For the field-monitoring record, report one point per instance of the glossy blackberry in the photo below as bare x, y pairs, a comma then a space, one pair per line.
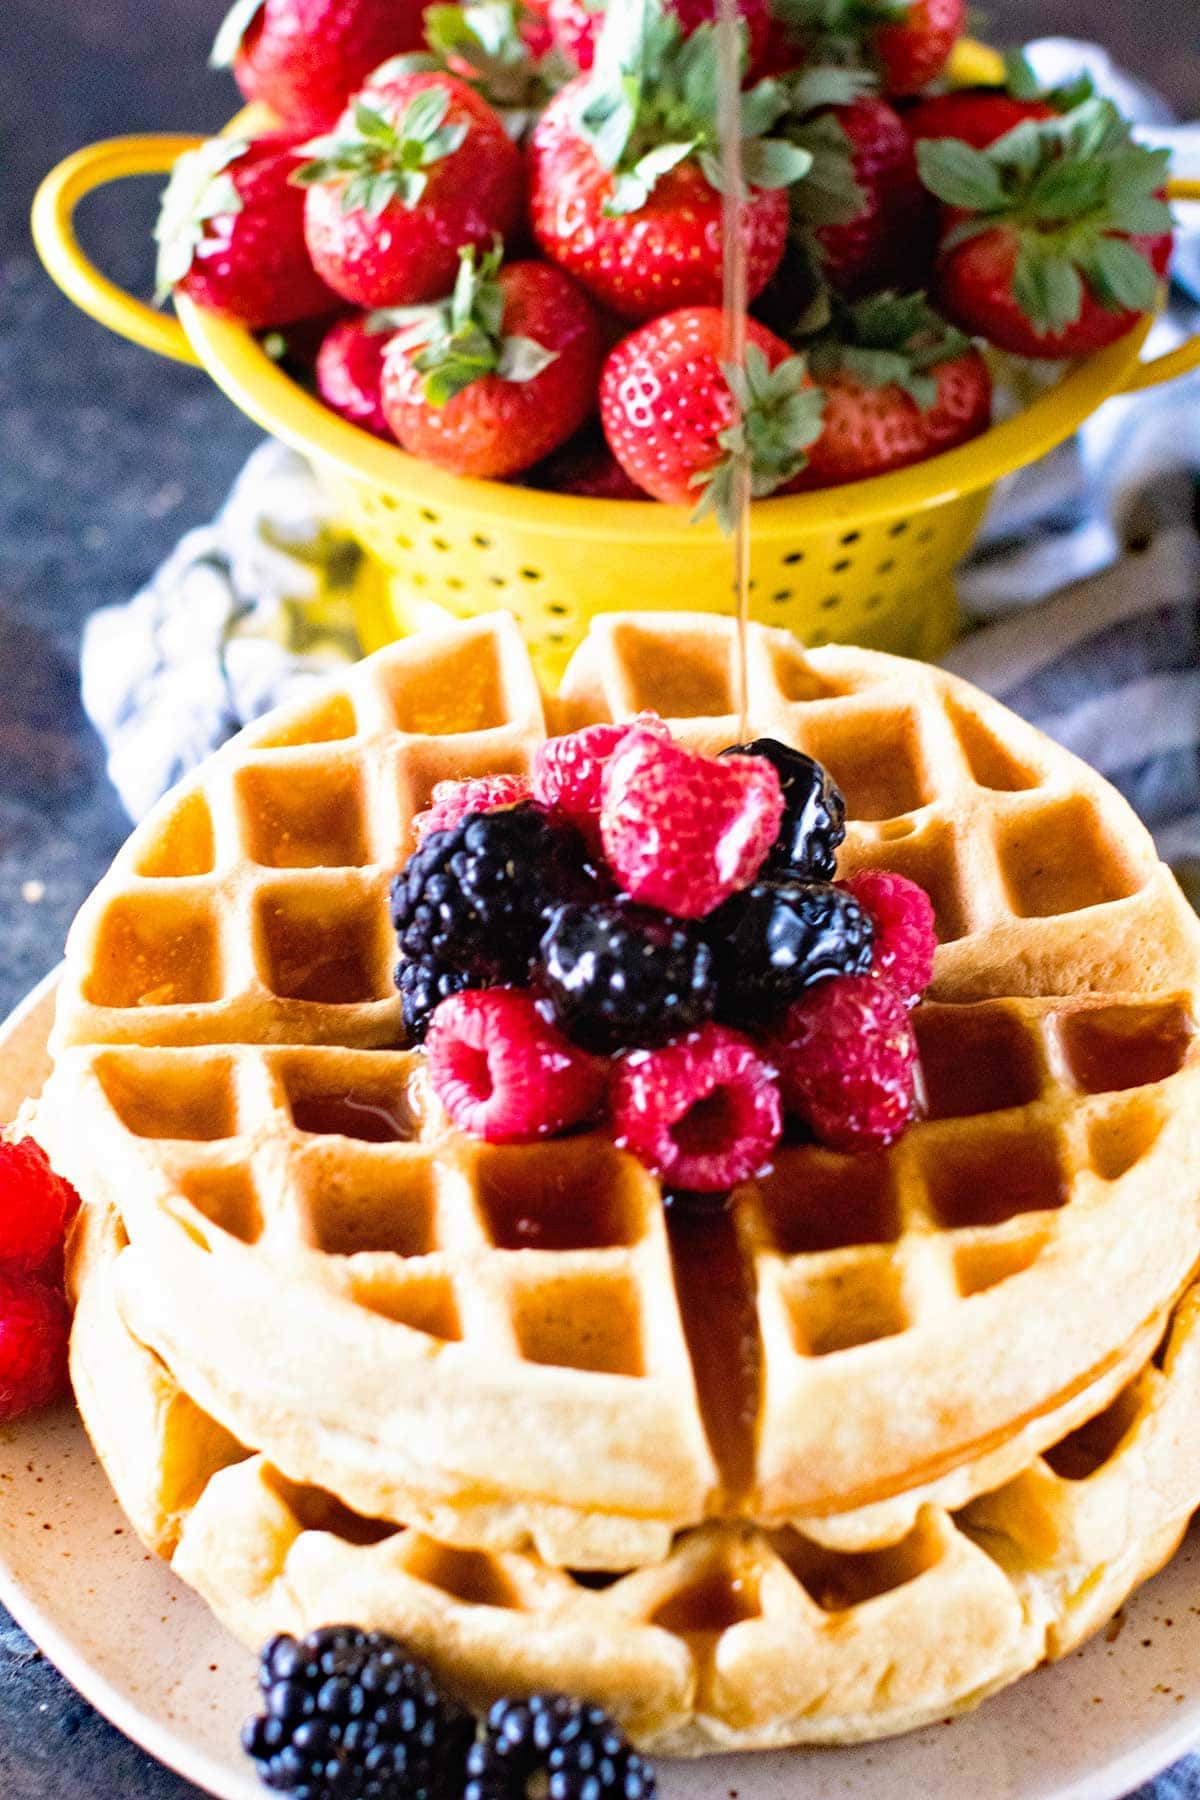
617, 976
475, 898
349, 1716
779, 937
814, 815
423, 986
558, 1747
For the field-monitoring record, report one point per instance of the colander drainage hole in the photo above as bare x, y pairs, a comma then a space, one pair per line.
781, 596
794, 556
830, 601
842, 564
429, 517
850, 537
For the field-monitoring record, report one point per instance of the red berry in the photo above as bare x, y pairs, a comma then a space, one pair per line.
588, 467
231, 233
702, 1112
446, 174
905, 934
976, 115
890, 238
349, 374
666, 253
504, 1073
847, 1062
915, 49
568, 772
453, 800
304, 58
683, 831
472, 412
36, 1205
33, 1344
576, 26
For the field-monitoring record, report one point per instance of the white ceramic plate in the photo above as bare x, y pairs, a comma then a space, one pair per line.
147, 1653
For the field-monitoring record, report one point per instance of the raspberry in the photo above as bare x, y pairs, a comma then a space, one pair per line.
33, 1344
905, 936
453, 800
504, 1073
777, 938
847, 1062
617, 976
563, 1748
476, 898
36, 1205
814, 813
349, 1712
568, 772
684, 831
704, 1112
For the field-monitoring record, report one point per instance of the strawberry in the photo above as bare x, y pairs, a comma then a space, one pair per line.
230, 233
349, 373
304, 58
882, 241
576, 26
976, 115
502, 48
911, 50
905, 42
676, 417
1055, 235
499, 375
624, 169
586, 466
417, 168
903, 386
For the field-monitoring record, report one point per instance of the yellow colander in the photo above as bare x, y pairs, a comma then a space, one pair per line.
868, 563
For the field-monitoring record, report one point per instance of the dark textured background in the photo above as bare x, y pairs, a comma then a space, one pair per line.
106, 456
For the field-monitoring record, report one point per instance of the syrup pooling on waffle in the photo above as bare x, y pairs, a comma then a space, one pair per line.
877, 1314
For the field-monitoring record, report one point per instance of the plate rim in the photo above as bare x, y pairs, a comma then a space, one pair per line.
1113, 1779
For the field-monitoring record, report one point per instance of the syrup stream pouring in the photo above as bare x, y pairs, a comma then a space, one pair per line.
734, 302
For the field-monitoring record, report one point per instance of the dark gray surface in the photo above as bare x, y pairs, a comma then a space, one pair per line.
106, 456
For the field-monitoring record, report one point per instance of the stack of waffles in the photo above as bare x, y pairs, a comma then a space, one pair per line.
844, 1457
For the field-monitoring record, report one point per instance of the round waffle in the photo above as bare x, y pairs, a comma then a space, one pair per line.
519, 1346
741, 1638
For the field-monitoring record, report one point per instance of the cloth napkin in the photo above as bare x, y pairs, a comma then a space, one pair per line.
1084, 588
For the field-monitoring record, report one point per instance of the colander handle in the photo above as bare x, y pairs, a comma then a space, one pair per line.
53, 222
1186, 355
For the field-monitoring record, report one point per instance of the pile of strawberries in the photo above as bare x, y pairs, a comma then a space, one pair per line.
493, 232
651, 940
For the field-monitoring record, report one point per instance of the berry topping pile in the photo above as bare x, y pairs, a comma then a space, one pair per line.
351, 1715
36, 1207
650, 940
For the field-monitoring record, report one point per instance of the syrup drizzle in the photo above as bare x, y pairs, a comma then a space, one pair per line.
734, 302
714, 1288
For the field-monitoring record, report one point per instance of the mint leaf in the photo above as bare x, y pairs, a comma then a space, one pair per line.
828, 85
1047, 287
959, 174
231, 31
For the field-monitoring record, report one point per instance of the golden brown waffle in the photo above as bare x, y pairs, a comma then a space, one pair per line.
510, 1346
740, 1638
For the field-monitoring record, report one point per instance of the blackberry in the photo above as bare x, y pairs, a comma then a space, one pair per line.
423, 986
562, 1748
349, 1716
814, 813
475, 898
777, 938
618, 976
